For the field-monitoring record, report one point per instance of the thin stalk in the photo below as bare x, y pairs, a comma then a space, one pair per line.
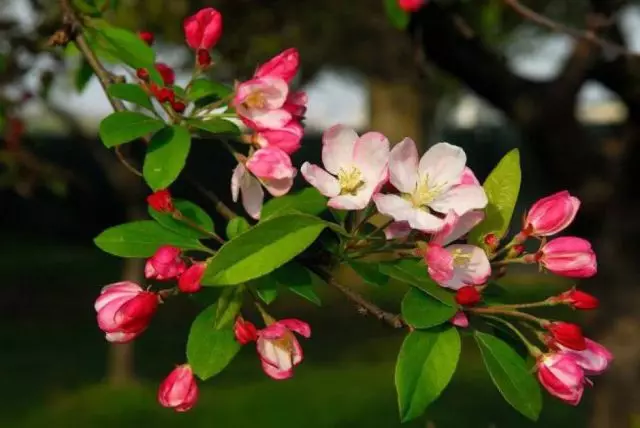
533, 350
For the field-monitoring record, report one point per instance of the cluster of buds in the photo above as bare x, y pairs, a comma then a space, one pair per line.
273, 112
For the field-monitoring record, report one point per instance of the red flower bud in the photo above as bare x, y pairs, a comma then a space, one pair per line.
167, 73
178, 106
468, 296
147, 37
411, 5
203, 58
143, 74
163, 95
161, 201
245, 331
179, 391
203, 29
189, 281
568, 335
491, 241
578, 299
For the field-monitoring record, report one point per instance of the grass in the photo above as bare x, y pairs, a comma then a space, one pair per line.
53, 360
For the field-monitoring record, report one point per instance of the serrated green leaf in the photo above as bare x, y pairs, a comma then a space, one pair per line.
209, 348
166, 156
125, 126
236, 226
297, 279
307, 201
415, 273
398, 17
510, 374
132, 93
369, 272
201, 88
426, 363
215, 126
262, 249
502, 187
423, 311
190, 211
141, 239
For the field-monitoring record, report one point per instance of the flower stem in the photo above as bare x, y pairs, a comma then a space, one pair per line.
533, 350
496, 310
186, 220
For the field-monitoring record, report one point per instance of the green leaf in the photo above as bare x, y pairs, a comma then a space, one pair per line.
369, 272
229, 305
83, 76
423, 311
215, 125
308, 201
502, 187
190, 211
132, 93
236, 226
128, 48
201, 88
141, 239
262, 249
124, 126
398, 17
415, 273
426, 363
297, 279
510, 374
266, 287
210, 348
166, 156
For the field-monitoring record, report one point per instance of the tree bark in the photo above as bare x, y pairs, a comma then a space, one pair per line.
395, 110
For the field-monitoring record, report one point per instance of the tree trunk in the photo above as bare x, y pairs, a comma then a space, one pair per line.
396, 110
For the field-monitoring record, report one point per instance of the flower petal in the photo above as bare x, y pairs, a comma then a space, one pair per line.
274, 372
393, 206
300, 327
252, 196
424, 221
439, 263
351, 202
443, 165
371, 155
236, 180
403, 166
461, 199
280, 187
337, 148
471, 266
320, 179
397, 229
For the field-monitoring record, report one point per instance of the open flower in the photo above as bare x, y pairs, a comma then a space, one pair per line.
357, 167
259, 103
431, 184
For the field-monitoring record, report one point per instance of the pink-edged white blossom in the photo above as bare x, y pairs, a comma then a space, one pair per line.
458, 265
568, 256
244, 184
594, 359
551, 215
124, 310
432, 184
355, 166
562, 377
203, 30
283, 66
460, 320
286, 138
179, 390
279, 349
259, 102
165, 264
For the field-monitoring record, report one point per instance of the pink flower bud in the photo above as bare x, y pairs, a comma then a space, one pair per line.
286, 139
147, 37
279, 349
594, 360
161, 201
245, 331
569, 256
568, 335
283, 66
551, 215
411, 5
460, 320
189, 281
578, 299
296, 104
165, 264
167, 73
203, 30
562, 377
468, 296
179, 391
271, 164
124, 310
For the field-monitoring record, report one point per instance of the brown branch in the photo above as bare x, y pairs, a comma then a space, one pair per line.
587, 34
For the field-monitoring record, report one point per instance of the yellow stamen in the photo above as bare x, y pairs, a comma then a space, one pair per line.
255, 99
424, 194
350, 181
460, 259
